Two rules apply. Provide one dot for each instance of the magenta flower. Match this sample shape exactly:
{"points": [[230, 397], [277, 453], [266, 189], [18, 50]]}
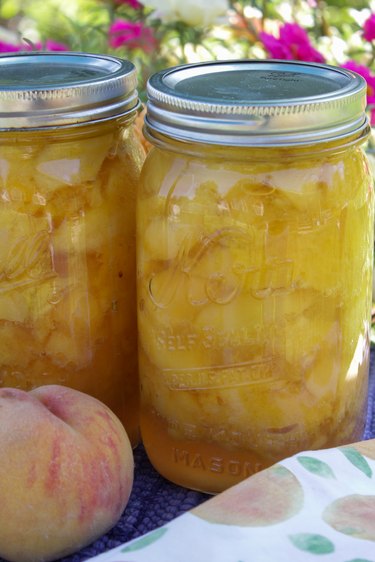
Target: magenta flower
{"points": [[133, 35], [274, 46], [132, 3], [293, 43], [51, 45], [9, 47], [369, 28], [370, 79]]}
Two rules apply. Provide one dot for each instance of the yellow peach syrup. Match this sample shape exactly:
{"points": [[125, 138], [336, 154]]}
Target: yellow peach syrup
{"points": [[255, 253], [69, 171]]}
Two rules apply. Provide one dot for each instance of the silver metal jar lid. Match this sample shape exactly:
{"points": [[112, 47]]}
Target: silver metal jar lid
{"points": [[256, 103], [39, 90]]}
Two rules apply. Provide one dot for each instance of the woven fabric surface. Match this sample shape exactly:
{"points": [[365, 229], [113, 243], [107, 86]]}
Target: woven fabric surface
{"points": [[154, 501]]}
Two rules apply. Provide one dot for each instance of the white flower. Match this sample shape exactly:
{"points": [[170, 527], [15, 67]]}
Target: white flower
{"points": [[193, 12]]}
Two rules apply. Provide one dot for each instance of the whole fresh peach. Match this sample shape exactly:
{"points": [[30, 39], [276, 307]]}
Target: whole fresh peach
{"points": [[66, 472]]}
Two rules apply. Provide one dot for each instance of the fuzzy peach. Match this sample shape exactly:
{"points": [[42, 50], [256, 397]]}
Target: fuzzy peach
{"points": [[66, 472]]}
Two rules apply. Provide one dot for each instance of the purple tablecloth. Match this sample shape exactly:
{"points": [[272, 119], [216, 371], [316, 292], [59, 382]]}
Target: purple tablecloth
{"points": [[155, 501]]}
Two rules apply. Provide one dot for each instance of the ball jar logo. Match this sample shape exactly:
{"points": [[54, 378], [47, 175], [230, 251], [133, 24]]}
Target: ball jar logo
{"points": [[204, 279]]}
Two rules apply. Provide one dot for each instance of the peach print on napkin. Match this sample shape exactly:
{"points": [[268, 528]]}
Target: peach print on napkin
{"points": [[314, 505]]}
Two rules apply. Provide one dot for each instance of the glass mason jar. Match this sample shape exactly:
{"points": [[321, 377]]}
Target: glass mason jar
{"points": [[69, 169], [254, 251]]}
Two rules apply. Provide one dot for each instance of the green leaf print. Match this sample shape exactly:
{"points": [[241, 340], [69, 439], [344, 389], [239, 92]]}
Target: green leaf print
{"points": [[357, 460], [146, 540], [316, 466], [360, 560], [315, 544]]}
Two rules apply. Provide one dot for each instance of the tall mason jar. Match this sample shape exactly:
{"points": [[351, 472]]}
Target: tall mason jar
{"points": [[69, 169], [254, 251]]}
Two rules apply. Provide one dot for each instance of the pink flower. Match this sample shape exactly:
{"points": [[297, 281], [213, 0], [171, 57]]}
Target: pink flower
{"points": [[134, 35], [365, 72], [132, 3], [370, 79], [293, 44], [9, 47], [369, 28], [274, 46], [51, 45]]}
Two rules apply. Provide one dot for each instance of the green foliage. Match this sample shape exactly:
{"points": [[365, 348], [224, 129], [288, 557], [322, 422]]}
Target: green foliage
{"points": [[356, 4], [9, 8], [80, 24]]}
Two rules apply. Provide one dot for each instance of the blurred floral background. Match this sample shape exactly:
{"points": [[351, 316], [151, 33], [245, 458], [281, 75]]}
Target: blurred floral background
{"points": [[155, 34]]}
